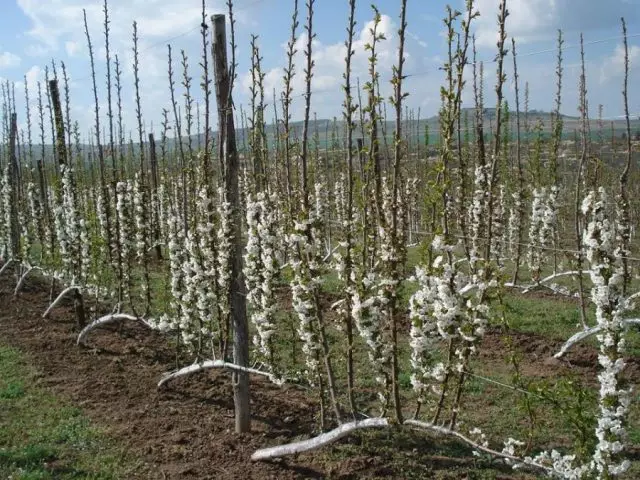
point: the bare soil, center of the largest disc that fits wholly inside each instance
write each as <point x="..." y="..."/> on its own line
<point x="185" y="431"/>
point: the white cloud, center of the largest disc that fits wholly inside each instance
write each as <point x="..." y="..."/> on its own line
<point x="538" y="20"/>
<point x="56" y="30"/>
<point x="9" y="60"/>
<point x="613" y="66"/>
<point x="57" y="27"/>
<point x="63" y="21"/>
<point x="417" y="39"/>
<point x="34" y="75"/>
<point x="37" y="50"/>
<point x="329" y="67"/>
<point x="528" y="20"/>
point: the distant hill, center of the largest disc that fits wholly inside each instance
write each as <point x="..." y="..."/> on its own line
<point x="330" y="131"/>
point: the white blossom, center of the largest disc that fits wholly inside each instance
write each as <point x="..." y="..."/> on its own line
<point x="261" y="269"/>
<point x="601" y="240"/>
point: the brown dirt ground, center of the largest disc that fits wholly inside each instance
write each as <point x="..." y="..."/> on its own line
<point x="537" y="357"/>
<point x="186" y="430"/>
<point x="183" y="431"/>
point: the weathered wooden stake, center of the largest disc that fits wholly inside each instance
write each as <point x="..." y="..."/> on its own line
<point x="155" y="215"/>
<point x="229" y="159"/>
<point x="12" y="179"/>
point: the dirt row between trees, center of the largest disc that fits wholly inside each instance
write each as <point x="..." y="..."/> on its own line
<point x="183" y="431"/>
<point x="186" y="430"/>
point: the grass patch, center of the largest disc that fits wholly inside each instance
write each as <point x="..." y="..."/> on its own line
<point x="41" y="437"/>
<point x="559" y="319"/>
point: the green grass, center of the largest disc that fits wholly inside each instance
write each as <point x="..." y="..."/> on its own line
<point x="551" y="318"/>
<point x="558" y="319"/>
<point x="42" y="437"/>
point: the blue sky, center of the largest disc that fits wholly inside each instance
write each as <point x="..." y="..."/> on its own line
<point x="33" y="32"/>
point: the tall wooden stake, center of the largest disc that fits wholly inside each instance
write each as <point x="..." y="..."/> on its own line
<point x="227" y="141"/>
<point x="12" y="179"/>
<point x="154" y="218"/>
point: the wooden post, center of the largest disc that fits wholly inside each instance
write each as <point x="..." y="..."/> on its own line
<point x="43" y="192"/>
<point x="12" y="179"/>
<point x="155" y="214"/>
<point x="360" y="146"/>
<point x="229" y="159"/>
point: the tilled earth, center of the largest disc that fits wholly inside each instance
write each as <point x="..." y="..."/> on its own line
<point x="185" y="431"/>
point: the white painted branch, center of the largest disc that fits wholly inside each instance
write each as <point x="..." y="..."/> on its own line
<point x="467" y="288"/>
<point x="630" y="298"/>
<point x="59" y="299"/>
<point x="330" y="252"/>
<point x="23" y="278"/>
<point x="578" y="337"/>
<point x="552" y="277"/>
<point x="337" y="304"/>
<point x="319" y="441"/>
<point x="158" y="244"/>
<point x="452" y="433"/>
<point x="348" y="428"/>
<point x="528" y="288"/>
<point x="208" y="364"/>
<point x="106" y="320"/>
<point x="554" y="289"/>
<point x="6" y="265"/>
<point x="564" y="274"/>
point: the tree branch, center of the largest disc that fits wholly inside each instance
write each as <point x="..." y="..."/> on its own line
<point x="587" y="333"/>
<point x="319" y="441"/>
<point x="209" y="364"/>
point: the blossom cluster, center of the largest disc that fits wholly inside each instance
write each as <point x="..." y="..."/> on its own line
<point x="261" y="268"/>
<point x="542" y="227"/>
<point x="477" y="211"/>
<point x="71" y="230"/>
<point x="5" y="219"/>
<point x="515" y="222"/>
<point x="423" y="333"/>
<point x="600" y="239"/>
<point x="224" y="246"/>
<point x="124" y="192"/>
<point x="304" y="289"/>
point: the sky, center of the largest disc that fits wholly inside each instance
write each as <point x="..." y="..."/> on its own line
<point x="33" y="33"/>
